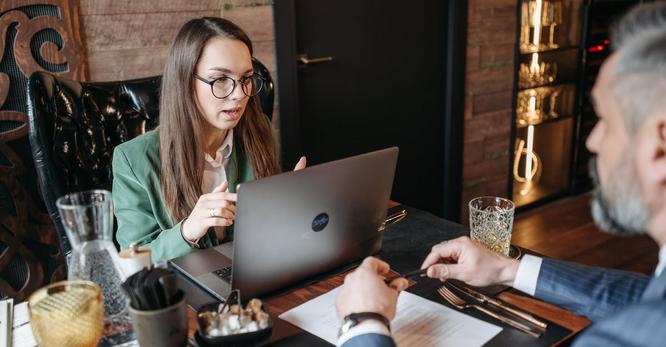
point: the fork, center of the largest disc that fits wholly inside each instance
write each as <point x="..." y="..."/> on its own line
<point x="461" y="304"/>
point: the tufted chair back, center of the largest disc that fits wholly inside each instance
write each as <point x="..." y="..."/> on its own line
<point x="74" y="127"/>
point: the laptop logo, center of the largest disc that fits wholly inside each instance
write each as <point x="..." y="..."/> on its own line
<point x="320" y="222"/>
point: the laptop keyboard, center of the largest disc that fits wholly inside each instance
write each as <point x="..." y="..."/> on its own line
<point x="224" y="274"/>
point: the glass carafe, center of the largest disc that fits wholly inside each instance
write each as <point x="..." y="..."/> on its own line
<point x="88" y="220"/>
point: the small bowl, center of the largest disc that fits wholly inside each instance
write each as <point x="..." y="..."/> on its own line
<point x="251" y="338"/>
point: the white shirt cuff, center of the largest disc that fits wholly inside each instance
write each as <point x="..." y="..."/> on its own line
<point x="365" y="327"/>
<point x="528" y="274"/>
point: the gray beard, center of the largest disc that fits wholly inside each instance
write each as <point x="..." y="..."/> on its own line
<point x="618" y="209"/>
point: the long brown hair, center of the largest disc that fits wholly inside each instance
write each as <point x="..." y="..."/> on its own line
<point x="180" y="146"/>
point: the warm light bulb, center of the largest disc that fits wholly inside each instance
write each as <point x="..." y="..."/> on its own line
<point x="532" y="106"/>
<point x="536" y="20"/>
<point x="530" y="151"/>
<point x="534" y="66"/>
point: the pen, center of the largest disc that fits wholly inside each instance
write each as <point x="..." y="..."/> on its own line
<point x="415" y="273"/>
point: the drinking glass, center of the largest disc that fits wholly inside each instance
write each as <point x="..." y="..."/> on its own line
<point x="67" y="313"/>
<point x="88" y="220"/>
<point x="491" y="222"/>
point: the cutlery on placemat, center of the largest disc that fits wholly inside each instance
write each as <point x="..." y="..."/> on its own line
<point x="482" y="298"/>
<point x="461" y="304"/>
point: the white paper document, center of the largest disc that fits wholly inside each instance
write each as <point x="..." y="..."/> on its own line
<point x="418" y="322"/>
<point x="22" y="334"/>
<point x="6" y="321"/>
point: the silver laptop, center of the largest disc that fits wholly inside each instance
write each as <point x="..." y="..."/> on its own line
<point x="297" y="225"/>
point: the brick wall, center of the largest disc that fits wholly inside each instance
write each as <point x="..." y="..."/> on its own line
<point x="488" y="98"/>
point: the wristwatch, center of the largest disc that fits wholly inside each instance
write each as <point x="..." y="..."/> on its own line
<point x="355" y="319"/>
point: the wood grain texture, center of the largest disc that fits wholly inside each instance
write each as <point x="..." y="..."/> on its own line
<point x="545" y="310"/>
<point x="256" y="21"/>
<point x="127" y="63"/>
<point x="136" y="30"/>
<point x="284" y="302"/>
<point x="265" y="52"/>
<point x="109" y="7"/>
<point x="130" y="39"/>
<point x="565" y="230"/>
<point x="68" y="27"/>
<point x="27" y="231"/>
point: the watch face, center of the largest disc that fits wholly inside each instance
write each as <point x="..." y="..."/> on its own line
<point x="346" y="325"/>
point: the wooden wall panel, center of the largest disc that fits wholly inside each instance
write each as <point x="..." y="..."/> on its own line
<point x="136" y="48"/>
<point x="137" y="30"/>
<point x="127" y="63"/>
<point x="128" y="39"/>
<point x="105" y="7"/>
<point x="258" y="23"/>
<point x="29" y="247"/>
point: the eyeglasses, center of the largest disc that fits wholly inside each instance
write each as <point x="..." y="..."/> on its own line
<point x="222" y="87"/>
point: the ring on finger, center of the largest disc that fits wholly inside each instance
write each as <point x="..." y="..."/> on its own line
<point x="211" y="212"/>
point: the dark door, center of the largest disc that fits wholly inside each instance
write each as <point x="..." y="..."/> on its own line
<point x="370" y="74"/>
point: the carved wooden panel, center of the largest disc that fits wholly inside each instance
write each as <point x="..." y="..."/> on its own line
<point x="35" y="35"/>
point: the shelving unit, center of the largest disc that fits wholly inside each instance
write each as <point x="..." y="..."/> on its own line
<point x="547" y="68"/>
<point x="561" y="46"/>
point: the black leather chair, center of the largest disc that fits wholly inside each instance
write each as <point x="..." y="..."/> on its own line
<point x="74" y="127"/>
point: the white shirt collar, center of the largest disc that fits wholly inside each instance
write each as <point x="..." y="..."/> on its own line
<point x="224" y="152"/>
<point x="662" y="261"/>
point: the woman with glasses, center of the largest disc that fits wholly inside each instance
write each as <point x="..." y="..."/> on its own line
<point x="174" y="187"/>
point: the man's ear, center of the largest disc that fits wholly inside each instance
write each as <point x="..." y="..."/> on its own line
<point x="656" y="143"/>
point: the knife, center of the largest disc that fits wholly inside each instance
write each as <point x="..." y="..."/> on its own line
<point x="501" y="305"/>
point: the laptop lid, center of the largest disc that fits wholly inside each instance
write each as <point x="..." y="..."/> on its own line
<point x="295" y="225"/>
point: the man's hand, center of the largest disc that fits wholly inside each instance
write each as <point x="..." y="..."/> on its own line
<point x="469" y="261"/>
<point x="365" y="291"/>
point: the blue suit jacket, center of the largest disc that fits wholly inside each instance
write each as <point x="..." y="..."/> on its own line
<point x="627" y="309"/>
<point x="373" y="340"/>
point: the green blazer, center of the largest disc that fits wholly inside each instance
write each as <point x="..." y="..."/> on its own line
<point x="139" y="203"/>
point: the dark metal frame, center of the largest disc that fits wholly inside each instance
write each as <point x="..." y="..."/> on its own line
<point x="454" y="79"/>
<point x="580" y="91"/>
<point x="284" y="13"/>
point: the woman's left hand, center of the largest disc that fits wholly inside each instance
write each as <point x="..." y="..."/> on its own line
<point x="302" y="163"/>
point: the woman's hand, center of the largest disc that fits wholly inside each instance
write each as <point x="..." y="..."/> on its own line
<point x="302" y="163"/>
<point x="216" y="208"/>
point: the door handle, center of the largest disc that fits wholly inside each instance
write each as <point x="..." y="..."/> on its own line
<point x="303" y="59"/>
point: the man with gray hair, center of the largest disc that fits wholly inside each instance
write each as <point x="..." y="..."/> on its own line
<point x="629" y="170"/>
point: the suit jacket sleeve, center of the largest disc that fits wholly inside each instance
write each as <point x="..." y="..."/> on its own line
<point x="135" y="214"/>
<point x="370" y="340"/>
<point x="640" y="324"/>
<point x="590" y="291"/>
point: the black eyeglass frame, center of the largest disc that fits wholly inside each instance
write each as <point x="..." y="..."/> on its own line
<point x="233" y="81"/>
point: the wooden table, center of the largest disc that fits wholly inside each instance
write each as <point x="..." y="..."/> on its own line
<point x="282" y="303"/>
<point x="411" y="256"/>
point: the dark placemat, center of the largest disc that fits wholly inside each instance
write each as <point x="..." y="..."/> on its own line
<point x="409" y="241"/>
<point x="508" y="336"/>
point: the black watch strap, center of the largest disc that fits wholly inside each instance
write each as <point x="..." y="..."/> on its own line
<point x="361" y="316"/>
